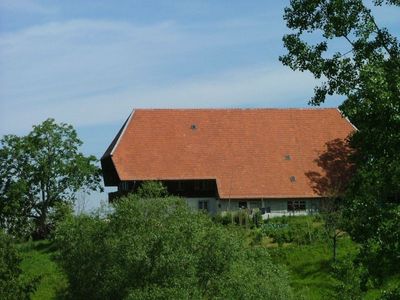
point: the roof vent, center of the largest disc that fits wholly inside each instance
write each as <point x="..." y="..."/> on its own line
<point x="292" y="178"/>
<point x="193" y="126"/>
<point x="287" y="157"/>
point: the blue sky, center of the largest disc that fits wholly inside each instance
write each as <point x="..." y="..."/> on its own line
<point x="89" y="63"/>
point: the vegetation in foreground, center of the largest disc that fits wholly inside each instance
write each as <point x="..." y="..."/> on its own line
<point x="310" y="271"/>
<point x="366" y="73"/>
<point x="160" y="249"/>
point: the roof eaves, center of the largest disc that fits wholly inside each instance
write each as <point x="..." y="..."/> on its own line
<point x="236" y="197"/>
<point x="122" y="133"/>
<point x="347" y="119"/>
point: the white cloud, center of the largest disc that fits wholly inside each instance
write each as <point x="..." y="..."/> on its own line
<point x="90" y="72"/>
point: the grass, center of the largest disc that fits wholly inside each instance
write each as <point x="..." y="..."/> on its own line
<point x="310" y="267"/>
<point x="38" y="260"/>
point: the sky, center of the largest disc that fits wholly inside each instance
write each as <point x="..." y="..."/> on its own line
<point x="89" y="63"/>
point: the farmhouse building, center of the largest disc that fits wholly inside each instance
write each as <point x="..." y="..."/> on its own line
<point x="225" y="159"/>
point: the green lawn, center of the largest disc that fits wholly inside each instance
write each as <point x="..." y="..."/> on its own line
<point x="38" y="260"/>
<point x="310" y="266"/>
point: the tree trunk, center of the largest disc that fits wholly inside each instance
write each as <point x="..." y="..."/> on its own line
<point x="41" y="231"/>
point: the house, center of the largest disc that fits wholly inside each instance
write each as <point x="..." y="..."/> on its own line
<point x="225" y="159"/>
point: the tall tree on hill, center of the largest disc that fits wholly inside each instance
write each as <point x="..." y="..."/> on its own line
<point x="39" y="170"/>
<point x="367" y="72"/>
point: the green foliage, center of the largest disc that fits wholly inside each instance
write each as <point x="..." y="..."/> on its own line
<point x="159" y="249"/>
<point x="392" y="294"/>
<point x="349" y="276"/>
<point x="257" y="218"/>
<point x="13" y="285"/>
<point x="367" y="73"/>
<point x="377" y="228"/>
<point x="152" y="189"/>
<point x="225" y="218"/>
<point x="310" y="271"/>
<point x="59" y="213"/>
<point x="240" y="217"/>
<point x="38" y="171"/>
<point x="298" y="230"/>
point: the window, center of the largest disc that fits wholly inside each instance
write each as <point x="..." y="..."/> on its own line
<point x="293" y="205"/>
<point x="242" y="204"/>
<point x="124" y="186"/>
<point x="203" y="205"/>
<point x="255" y="204"/>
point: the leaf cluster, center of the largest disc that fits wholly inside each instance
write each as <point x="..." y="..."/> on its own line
<point x="367" y="73"/>
<point x="159" y="249"/>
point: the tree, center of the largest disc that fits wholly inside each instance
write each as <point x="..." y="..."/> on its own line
<point x="336" y="171"/>
<point x="157" y="248"/>
<point x="39" y="170"/>
<point x="367" y="73"/>
<point x="152" y="189"/>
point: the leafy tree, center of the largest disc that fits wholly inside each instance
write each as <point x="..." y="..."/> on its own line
<point x="39" y="170"/>
<point x="367" y="72"/>
<point x="152" y="189"/>
<point x="12" y="284"/>
<point x="349" y="277"/>
<point x="160" y="249"/>
<point x="336" y="171"/>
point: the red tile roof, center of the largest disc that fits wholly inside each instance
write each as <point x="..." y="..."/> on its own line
<point x="243" y="149"/>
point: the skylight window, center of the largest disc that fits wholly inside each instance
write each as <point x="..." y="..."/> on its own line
<point x="193" y="127"/>
<point x="292" y="178"/>
<point x="287" y="157"/>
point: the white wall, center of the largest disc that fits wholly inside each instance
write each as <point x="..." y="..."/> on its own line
<point x="193" y="203"/>
<point x="278" y="206"/>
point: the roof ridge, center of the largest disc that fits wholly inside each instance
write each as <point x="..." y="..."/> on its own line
<point x="241" y="108"/>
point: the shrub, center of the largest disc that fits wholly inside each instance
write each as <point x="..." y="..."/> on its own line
<point x="160" y="249"/>
<point x="58" y="214"/>
<point x="152" y="189"/>
<point x="224" y="218"/>
<point x="257" y="218"/>
<point x="392" y="294"/>
<point x="240" y="217"/>
<point x="12" y="283"/>
<point x="298" y="230"/>
<point x="350" y="277"/>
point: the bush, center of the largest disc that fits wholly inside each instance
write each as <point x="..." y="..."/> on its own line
<point x="60" y="212"/>
<point x="12" y="284"/>
<point x="240" y="217"/>
<point x="350" y="277"/>
<point x="298" y="230"/>
<point x="392" y="294"/>
<point x="160" y="249"/>
<point x="152" y="189"/>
